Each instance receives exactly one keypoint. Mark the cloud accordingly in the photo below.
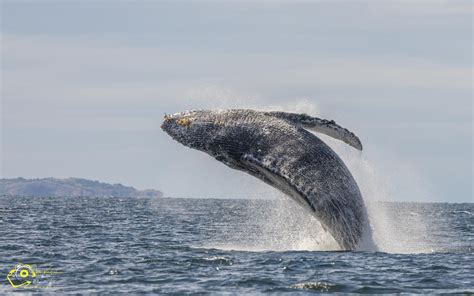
(59, 71)
(433, 8)
(91, 84)
(95, 64)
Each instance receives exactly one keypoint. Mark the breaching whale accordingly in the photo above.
(277, 148)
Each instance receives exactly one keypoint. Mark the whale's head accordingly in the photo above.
(194, 129)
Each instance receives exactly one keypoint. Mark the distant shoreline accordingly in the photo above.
(70, 187)
(78, 187)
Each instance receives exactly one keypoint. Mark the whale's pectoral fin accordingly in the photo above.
(323, 126)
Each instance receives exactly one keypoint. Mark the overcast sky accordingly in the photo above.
(85, 85)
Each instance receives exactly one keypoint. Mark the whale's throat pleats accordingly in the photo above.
(332, 216)
(274, 178)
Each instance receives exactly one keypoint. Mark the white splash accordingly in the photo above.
(282, 227)
(214, 97)
(405, 233)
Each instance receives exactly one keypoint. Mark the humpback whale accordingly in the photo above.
(279, 149)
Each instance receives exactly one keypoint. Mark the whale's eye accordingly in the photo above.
(184, 121)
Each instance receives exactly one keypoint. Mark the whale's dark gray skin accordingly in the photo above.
(276, 148)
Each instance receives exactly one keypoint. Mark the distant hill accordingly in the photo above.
(70, 187)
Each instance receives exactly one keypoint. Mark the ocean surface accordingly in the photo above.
(127, 245)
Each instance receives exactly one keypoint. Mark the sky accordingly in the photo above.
(85, 84)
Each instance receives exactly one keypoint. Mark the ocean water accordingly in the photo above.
(127, 245)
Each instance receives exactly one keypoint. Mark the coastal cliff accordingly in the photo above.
(70, 187)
